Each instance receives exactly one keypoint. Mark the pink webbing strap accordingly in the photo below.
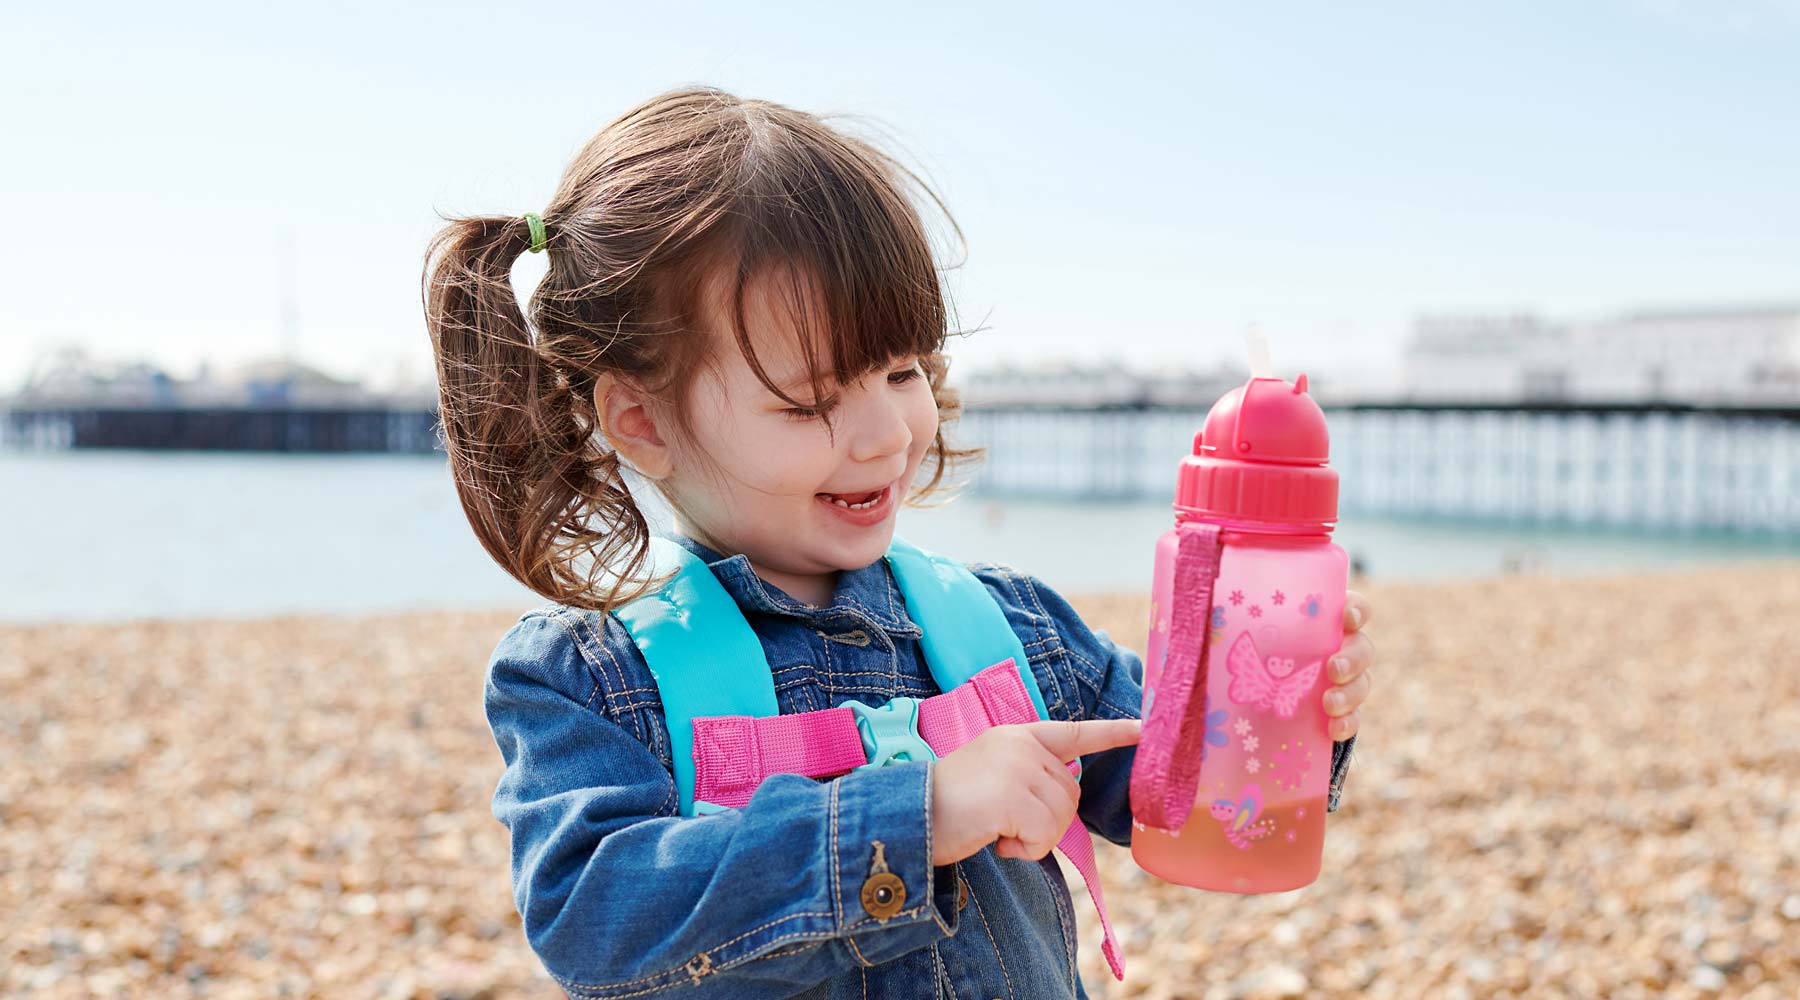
(734, 753)
(996, 697)
(1167, 769)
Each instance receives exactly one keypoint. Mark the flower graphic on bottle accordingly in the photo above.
(1278, 598)
(1237, 598)
(1256, 611)
(1288, 767)
(1313, 604)
(1218, 625)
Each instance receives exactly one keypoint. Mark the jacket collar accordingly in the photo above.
(869, 591)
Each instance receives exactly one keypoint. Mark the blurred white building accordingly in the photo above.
(1064, 384)
(1502, 358)
(70, 377)
(1748, 356)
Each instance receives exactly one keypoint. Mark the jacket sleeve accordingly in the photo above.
(1110, 681)
(621, 897)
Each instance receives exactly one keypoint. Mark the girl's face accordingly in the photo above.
(775, 462)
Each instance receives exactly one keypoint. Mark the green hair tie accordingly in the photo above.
(536, 222)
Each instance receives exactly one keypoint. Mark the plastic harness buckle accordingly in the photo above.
(891, 732)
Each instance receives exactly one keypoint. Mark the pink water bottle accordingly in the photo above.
(1228, 791)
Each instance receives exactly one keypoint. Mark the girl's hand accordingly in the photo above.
(1011, 784)
(1348, 670)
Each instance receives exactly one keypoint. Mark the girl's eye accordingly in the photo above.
(894, 378)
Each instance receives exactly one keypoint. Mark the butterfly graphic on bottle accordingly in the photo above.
(1273, 683)
(1239, 818)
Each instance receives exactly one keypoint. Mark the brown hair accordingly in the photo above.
(689, 184)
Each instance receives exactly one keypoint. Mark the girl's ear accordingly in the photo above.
(628, 426)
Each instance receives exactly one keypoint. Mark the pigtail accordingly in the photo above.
(548, 504)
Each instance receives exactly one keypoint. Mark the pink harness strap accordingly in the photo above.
(734, 753)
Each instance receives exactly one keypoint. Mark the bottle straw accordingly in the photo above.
(1258, 349)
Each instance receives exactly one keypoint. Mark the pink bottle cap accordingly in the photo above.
(1261, 459)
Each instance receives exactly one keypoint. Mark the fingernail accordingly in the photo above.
(1339, 667)
(1356, 617)
(1333, 701)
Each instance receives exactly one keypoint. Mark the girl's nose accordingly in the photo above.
(881, 428)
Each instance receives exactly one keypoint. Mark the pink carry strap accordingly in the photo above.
(733, 754)
(996, 697)
(1166, 773)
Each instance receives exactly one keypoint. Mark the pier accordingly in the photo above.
(1637, 466)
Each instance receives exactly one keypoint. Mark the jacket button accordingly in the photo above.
(962, 892)
(883, 894)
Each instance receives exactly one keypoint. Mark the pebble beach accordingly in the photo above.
(1564, 787)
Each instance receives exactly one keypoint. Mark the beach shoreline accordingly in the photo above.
(1580, 786)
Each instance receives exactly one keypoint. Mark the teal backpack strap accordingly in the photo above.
(705, 657)
(965, 629)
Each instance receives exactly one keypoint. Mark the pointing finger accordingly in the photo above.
(1069, 740)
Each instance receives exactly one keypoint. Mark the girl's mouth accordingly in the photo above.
(863, 509)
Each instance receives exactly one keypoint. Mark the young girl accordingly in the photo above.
(742, 306)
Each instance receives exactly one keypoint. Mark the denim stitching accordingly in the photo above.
(1095, 679)
(837, 899)
(613, 710)
(796, 609)
(682, 970)
(637, 691)
(604, 992)
(1095, 671)
(930, 875)
(617, 667)
(883, 674)
(845, 637)
(901, 915)
(1124, 713)
(937, 960)
(1039, 604)
(990, 936)
(669, 801)
(883, 622)
(854, 950)
(576, 639)
(1065, 912)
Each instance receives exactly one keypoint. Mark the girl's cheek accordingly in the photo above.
(924, 427)
(781, 456)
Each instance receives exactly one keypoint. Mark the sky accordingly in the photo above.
(1140, 183)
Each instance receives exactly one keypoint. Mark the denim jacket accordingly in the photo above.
(620, 896)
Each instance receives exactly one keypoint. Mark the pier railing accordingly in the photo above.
(1638, 465)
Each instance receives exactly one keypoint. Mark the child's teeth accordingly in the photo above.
(865, 505)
